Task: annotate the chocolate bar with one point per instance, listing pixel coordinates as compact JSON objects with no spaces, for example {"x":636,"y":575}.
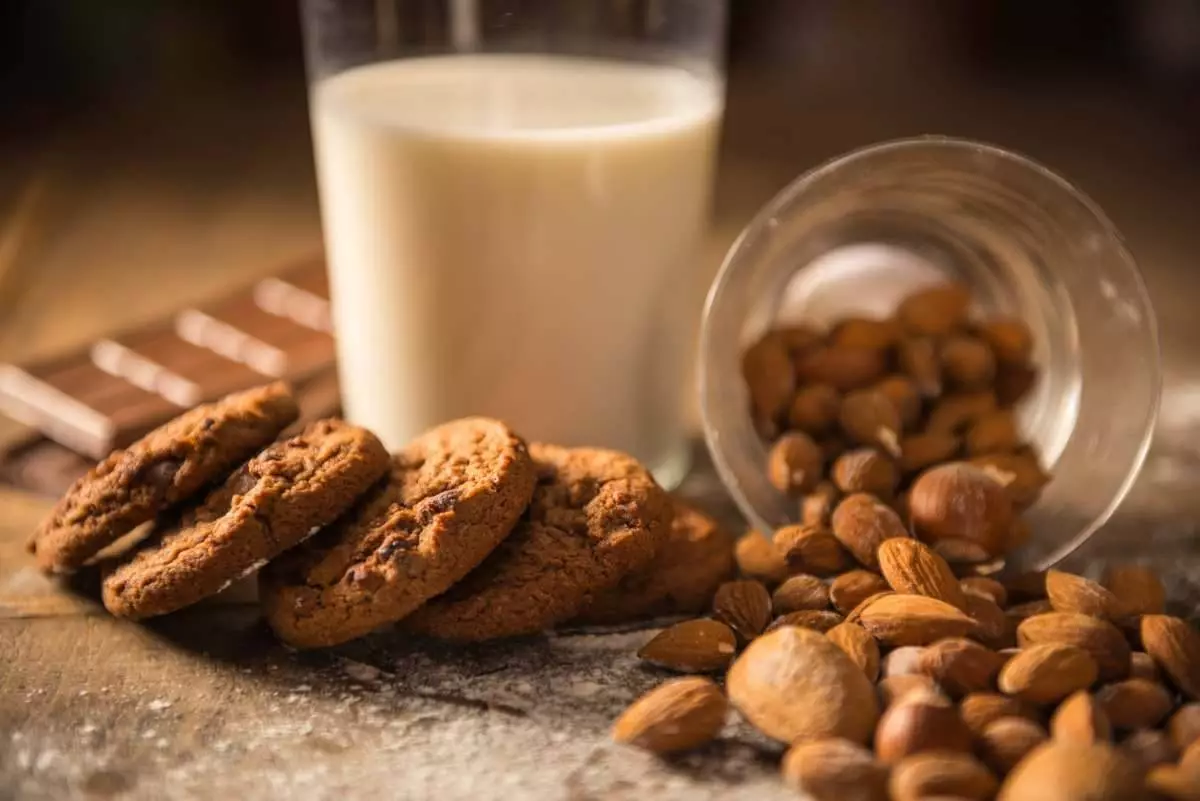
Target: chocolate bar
{"x":108,"y":394}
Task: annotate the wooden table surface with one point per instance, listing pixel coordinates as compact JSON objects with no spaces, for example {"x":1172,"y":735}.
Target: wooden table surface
{"x":96,"y":232}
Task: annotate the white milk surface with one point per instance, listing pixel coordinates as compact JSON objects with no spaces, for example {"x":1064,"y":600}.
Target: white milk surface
{"x":504,"y":235}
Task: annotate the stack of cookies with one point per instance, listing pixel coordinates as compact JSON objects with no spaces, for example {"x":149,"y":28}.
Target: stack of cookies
{"x":465,"y":534}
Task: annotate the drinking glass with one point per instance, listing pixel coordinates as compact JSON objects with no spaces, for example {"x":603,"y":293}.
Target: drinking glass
{"x":513,"y":195}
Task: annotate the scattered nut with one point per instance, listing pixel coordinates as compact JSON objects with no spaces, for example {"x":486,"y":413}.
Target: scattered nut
{"x":795,"y":463}
{"x":1005,"y":742}
{"x":967,"y":363}
{"x":835,"y":769}
{"x":861,"y":523}
{"x":853,"y":587}
{"x":678,"y":715}
{"x":744,"y":606}
{"x":936,"y":311}
{"x":960,"y":501}
{"x":905,"y":397}
{"x":1081,"y":720}
{"x":811,"y":549}
{"x":693,"y":646}
{"x":814,"y":409}
{"x":920,"y":721}
{"x":757,"y":558}
{"x":867,"y":417}
{"x":798,"y":592}
{"x":1009,"y":338}
{"x":865,"y":470}
{"x":816,"y":508}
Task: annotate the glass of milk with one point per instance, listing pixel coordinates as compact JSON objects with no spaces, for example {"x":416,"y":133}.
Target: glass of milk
{"x":513,"y":197}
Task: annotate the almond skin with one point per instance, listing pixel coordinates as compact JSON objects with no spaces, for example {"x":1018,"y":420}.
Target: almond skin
{"x":693,"y":646}
{"x":860,"y":646}
{"x":924,"y":450}
{"x":821,"y":620}
{"x":1143,"y":666}
{"x":912,"y":567}
{"x":993,"y":628}
{"x":1135,"y":703}
{"x":1048,"y":672}
{"x":758,"y":559}
{"x":1081,"y":720}
{"x":1059,"y":771}
{"x":961,"y":666}
{"x":1099,"y":638}
{"x":862,"y":523}
{"x":1174,"y":783}
{"x":1137,"y":588}
{"x":678,"y":715}
{"x":1070,"y":593}
{"x":920,"y":721}
{"x":958,"y":501}
{"x":893,"y":689}
{"x":980,"y":709}
{"x":794,"y":464}
{"x":744,"y":606}
{"x":1005,"y":742}
{"x":1175,"y":646}
{"x":835,"y":770}
{"x":937,"y":311}
{"x":986,"y":586}
{"x":938,"y":773}
{"x":1149,"y":748}
{"x":844,"y":368}
{"x":794,"y":684}
{"x":1184,"y":726}
{"x":799,"y":592}
{"x":853,"y":587}
{"x":767,"y":370}
{"x":811,"y":549}
{"x":814,"y":409}
{"x":912,"y":620}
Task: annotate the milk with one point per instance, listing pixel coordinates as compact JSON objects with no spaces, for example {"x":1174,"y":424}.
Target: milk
{"x":510,"y":236}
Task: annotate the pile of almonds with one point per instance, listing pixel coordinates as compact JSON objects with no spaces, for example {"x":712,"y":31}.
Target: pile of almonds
{"x":875,"y":638}
{"x":915,"y":411}
{"x":906,"y":682}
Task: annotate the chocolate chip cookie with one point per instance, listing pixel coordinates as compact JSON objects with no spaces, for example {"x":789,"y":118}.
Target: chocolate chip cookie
{"x":270,"y":504}
{"x":696,"y":557}
{"x":595,"y":516}
{"x":451,"y":497}
{"x":169,"y":465}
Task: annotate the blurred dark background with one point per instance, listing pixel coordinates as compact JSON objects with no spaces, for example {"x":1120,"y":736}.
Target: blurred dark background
{"x":153,"y":149}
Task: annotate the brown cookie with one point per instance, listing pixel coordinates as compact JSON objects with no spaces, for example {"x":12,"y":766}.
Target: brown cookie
{"x":270,"y":504}
{"x":452,"y":496}
{"x":169,"y":465}
{"x":595,"y":516}
{"x":695,"y":559}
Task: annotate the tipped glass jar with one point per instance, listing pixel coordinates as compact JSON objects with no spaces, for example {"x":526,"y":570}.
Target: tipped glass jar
{"x":858,"y":234}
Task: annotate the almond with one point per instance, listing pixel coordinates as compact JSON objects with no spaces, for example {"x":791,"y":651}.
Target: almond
{"x":853,"y":587}
{"x":1023,"y":587}
{"x":894,"y":689}
{"x":983,"y":585}
{"x":1174,"y":783}
{"x":920,"y":721}
{"x":1070,"y":593}
{"x":1099,"y":638}
{"x":903,"y":661}
{"x":693,"y":646}
{"x":952,"y":414}
{"x":993,"y":628}
{"x":917,"y":358}
{"x":1028,"y":609}
{"x":911,"y":567}
{"x":814,"y":409}
{"x":678,"y":715}
{"x":794,"y":684}
{"x":866,"y":332}
{"x":811,"y":549}
{"x":862,"y":523}
{"x":1175,"y":646}
{"x":1184,"y":726}
{"x":1149,"y":748}
{"x":745,"y":606}
{"x":865,"y":470}
{"x":835,"y":770}
{"x":860,"y":646}
{"x":994,"y":432}
{"x":903,"y":394}
{"x":799,"y":592}
{"x":926,"y":449}
{"x":844,"y":368}
{"x":1009,"y":338}
{"x":821,"y":620}
{"x":1020,"y":473}
{"x":1143,"y":666}
{"x":912,"y":620}
{"x":795,"y":463}
{"x":967,"y":363}
{"x":1135,"y":703}
{"x":958,"y":501}
{"x":816,"y":508}
{"x":1048,"y":672}
{"x":960,"y":666}
{"x":980,"y":709}
{"x":868,"y":418}
{"x":1062,"y":771}
{"x":936,"y":311}
{"x":1081,"y":720}
{"x":1191,"y":757}
{"x":1137,"y":588}
{"x":767,"y":370}
{"x":924,"y":776}
{"x":1007,"y":741}
{"x":758,"y":559}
